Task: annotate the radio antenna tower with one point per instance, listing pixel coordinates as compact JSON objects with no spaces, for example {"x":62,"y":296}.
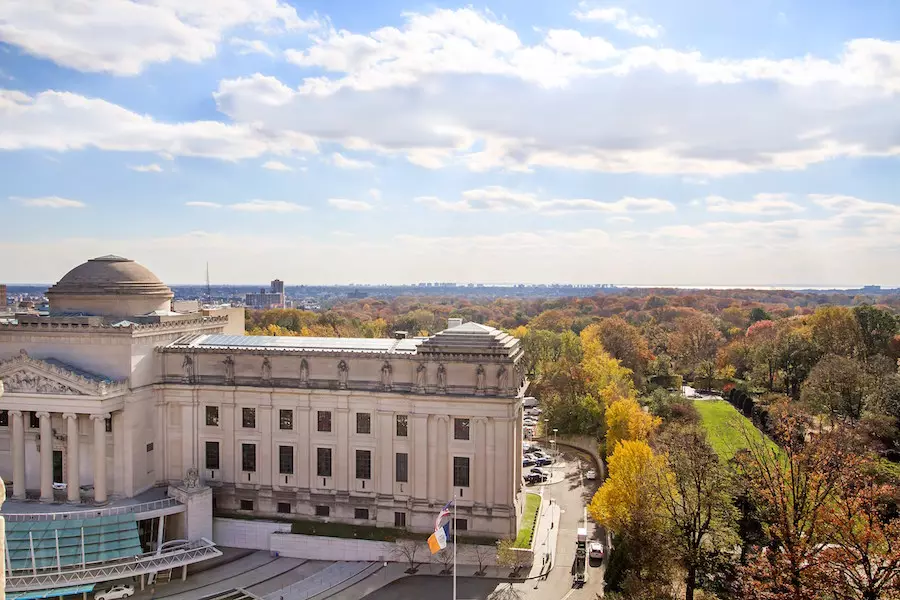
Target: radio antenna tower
{"x":208,"y":290}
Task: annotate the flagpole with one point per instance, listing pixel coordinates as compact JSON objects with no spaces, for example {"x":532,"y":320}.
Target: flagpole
{"x":454,"y":547}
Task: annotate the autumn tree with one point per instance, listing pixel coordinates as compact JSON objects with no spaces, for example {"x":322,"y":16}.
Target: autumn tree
{"x":625,"y":343}
{"x":877,"y":327}
{"x":837,"y":386}
{"x":605,"y":377}
{"x":694,"y":340}
{"x":761,"y":339}
{"x":835,"y":330}
{"x":693,"y":490}
{"x":796,"y":356}
{"x":626,"y":420}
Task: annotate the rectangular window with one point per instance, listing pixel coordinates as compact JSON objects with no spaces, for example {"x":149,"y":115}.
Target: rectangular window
{"x":212,"y":416}
{"x":364,"y":464}
{"x":364,"y":423}
{"x":4,"y":418}
{"x":462,"y":524}
{"x":248,"y":457}
{"x":212,"y":455}
{"x":361,"y":513}
{"x":402,"y":425}
{"x":285,"y":419}
{"x":322,"y":510}
{"x":248,"y":418}
{"x":402,"y":467}
{"x":323,"y":462}
{"x":246,"y":504}
{"x":108,"y":425}
{"x":323,"y":421}
{"x":34,"y":421}
{"x":460,"y":429}
{"x":284,"y":508}
{"x":400,"y":519}
{"x":460,"y":471}
{"x":150,"y":447}
{"x":286,"y":460}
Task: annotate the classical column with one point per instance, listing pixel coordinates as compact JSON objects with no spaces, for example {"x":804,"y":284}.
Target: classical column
{"x":418,"y":456}
{"x":18,"y":454}
{"x":46,"y":457}
{"x":385,"y":454}
{"x":432,"y":459}
{"x":445,"y":480}
{"x":99,"y":457}
{"x":490,"y":457}
{"x":73,"y":485}
{"x":480,"y":470}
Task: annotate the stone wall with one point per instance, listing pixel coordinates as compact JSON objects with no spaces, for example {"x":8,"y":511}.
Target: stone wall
{"x":236,"y":533}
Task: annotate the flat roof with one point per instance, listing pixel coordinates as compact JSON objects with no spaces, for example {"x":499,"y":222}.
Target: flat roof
{"x":302,"y":344}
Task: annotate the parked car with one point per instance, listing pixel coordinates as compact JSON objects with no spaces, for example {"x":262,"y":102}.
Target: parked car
{"x":542,"y":460}
{"x":591,"y":475}
{"x":533,"y":478}
{"x":545,"y":475}
{"x":596,"y":550}
{"x":530,"y":449}
{"x":529,"y":422}
{"x":117,"y":592}
{"x":528,"y":462}
{"x":59,"y":486}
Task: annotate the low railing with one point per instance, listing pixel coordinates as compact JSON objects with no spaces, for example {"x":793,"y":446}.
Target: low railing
{"x":93,"y":513}
{"x":151,"y":562}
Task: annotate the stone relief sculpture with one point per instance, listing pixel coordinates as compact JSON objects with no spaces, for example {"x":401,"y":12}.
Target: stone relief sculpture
{"x":187,"y":365}
{"x":192,"y":478}
{"x":343,"y":374}
{"x":304,"y":373}
{"x":479,"y":379}
{"x":266,"y":370}
{"x":387,"y":375}
{"x":502,"y":379}
{"x":31,"y":383}
{"x":229,"y":370}
{"x":421,"y":372}
{"x":442,"y":378}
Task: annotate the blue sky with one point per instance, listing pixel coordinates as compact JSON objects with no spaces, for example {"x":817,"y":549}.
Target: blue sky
{"x":642,"y":142}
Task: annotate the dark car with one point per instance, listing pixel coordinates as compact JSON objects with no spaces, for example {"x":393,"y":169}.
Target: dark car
{"x":533,"y":478}
{"x":542,"y":460}
{"x":528,"y":462}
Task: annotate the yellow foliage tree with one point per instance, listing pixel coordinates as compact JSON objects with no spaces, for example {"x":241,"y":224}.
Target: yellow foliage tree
{"x":272,"y":330}
{"x":605,"y":377}
{"x":627,"y":421}
{"x":628,"y":497}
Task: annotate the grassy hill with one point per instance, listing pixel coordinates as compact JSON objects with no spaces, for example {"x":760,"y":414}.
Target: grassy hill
{"x":725,"y":427}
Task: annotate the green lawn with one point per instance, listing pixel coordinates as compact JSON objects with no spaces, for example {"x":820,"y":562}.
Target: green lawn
{"x":724,"y":425}
{"x":526,"y":531}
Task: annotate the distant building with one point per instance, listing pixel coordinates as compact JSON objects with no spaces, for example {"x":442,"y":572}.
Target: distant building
{"x":3,"y":299}
{"x":273,"y":298}
{"x":277,"y":286}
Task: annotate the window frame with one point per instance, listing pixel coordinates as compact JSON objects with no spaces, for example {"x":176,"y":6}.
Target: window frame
{"x":245,"y":456}
{"x":245,"y":412}
{"x":289,"y":421}
{"x":457,"y":471}
{"x":252,"y":505}
{"x":285,"y":452}
{"x":399,"y":519}
{"x":404,"y":419}
{"x":397,"y":469}
{"x":366,"y":463}
{"x":322,"y":510}
{"x":208,"y":415}
{"x":320,"y":454}
{"x":361,"y":511}
{"x":212,"y":444}
{"x":281,"y":505}
{"x":364,"y":419}
{"x":460,"y":425}
{"x":324,"y":415}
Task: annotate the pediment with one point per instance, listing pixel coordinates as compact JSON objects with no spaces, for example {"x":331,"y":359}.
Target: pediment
{"x":25,"y":375}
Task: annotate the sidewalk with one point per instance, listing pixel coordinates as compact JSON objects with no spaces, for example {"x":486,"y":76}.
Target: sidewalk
{"x":545,"y":535}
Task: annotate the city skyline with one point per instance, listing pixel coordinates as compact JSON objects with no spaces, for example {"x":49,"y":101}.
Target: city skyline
{"x":637,"y":142}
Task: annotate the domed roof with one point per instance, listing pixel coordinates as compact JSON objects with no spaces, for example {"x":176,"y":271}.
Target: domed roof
{"x":108,"y":275}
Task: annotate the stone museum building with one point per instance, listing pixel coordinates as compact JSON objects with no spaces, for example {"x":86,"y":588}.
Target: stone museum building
{"x":113,"y":394}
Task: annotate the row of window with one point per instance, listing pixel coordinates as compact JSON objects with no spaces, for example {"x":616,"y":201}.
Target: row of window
{"x":323,"y":422}
{"x":323,"y":510}
{"x":324,"y":463}
{"x":34,"y":422}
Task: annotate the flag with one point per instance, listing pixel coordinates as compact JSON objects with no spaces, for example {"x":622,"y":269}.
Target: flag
{"x":445,"y":512}
{"x":437,"y":541}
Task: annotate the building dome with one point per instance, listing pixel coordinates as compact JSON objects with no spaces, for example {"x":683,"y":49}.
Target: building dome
{"x":109,"y":286}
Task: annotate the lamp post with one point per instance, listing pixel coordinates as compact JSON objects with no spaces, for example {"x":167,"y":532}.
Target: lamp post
{"x":553,"y":442}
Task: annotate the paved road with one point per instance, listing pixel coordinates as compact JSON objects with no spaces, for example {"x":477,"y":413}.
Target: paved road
{"x":573,"y":495}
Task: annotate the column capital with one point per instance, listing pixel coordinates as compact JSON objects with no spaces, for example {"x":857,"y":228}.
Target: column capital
{"x":72,"y":416}
{"x":103,"y":416}
{"x":43,"y":415}
{"x":15,"y":412}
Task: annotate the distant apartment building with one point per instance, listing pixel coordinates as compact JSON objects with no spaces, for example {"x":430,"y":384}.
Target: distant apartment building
{"x":3,"y":299}
{"x":271,"y":298}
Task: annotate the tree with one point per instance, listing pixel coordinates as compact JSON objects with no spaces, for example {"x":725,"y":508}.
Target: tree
{"x":837,"y":386}
{"x":626,"y":420}
{"x":796,"y":356}
{"x":834,"y":330}
{"x":695,"y":339}
{"x":759,"y":314}
{"x":406,"y":550}
{"x":863,"y":559}
{"x":509,"y":556}
{"x":445,"y":557}
{"x":696,"y":501}
{"x":507,"y":591}
{"x":791,"y":486}
{"x":575,"y":414}
{"x":761,"y":338}
{"x":707,"y":370}
{"x":877,"y":327}
{"x":625,"y":343}
{"x":482,"y":553}
{"x":605,"y":377}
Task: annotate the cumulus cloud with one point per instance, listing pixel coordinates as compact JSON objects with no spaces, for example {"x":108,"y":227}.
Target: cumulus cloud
{"x":250,"y":46}
{"x":621,"y":19}
{"x":277,"y":206}
{"x":761,"y":204}
{"x":274,"y":165}
{"x":343,"y":162}
{"x":202,"y":204}
{"x":497,"y":198}
{"x":123,"y":37}
{"x":153,"y":168}
{"x":48,"y":202}
{"x":351,"y":205}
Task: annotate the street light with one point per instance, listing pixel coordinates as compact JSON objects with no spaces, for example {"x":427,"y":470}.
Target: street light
{"x":553,"y":442}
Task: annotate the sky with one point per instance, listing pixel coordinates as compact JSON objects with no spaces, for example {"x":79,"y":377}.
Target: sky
{"x":642,"y":142}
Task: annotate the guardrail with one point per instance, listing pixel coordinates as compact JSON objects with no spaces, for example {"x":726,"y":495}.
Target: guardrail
{"x":93,"y":513}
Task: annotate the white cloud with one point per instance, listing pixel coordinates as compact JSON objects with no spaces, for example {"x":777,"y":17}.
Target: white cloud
{"x":201,"y":204}
{"x":762,"y":204}
{"x":250,"y":46}
{"x":498,"y":199}
{"x":342,"y":162}
{"x":278,"y":206}
{"x":123,"y":37}
{"x":620,"y":18}
{"x":850,"y":205}
{"x":48,"y":202}
{"x":153,"y":168}
{"x":375,"y":194}
{"x":274,"y":165}
{"x":64,"y":121}
{"x":352,"y":205}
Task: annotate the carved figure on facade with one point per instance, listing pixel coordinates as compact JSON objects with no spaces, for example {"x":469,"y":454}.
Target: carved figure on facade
{"x":304,"y":373}
{"x":442,"y":378}
{"x":502,"y":380}
{"x":187,"y":366}
{"x":387,"y":375}
{"x":343,"y":374}
{"x":479,"y":379}
{"x":229,"y":370}
{"x":266,"y":370}
{"x":31,"y":383}
{"x":421,"y":376}
{"x":192,"y":478}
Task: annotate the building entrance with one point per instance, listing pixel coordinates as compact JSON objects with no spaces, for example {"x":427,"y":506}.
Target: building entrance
{"x":58,"y":466}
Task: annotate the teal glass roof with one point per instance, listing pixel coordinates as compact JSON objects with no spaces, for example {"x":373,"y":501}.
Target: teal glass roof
{"x":54,"y":593}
